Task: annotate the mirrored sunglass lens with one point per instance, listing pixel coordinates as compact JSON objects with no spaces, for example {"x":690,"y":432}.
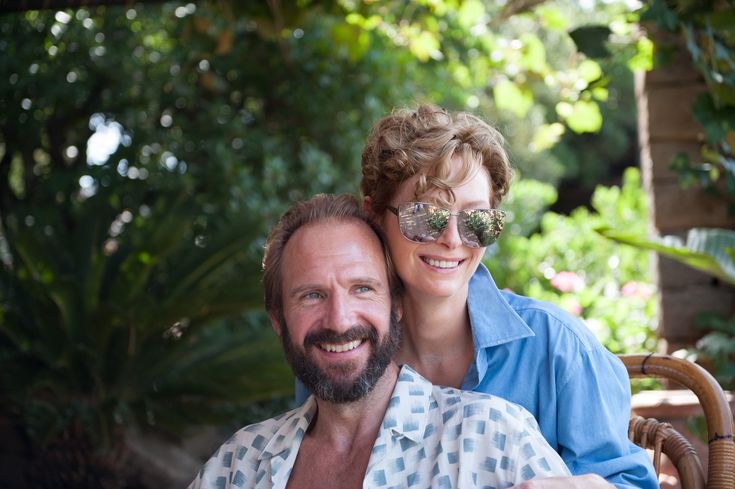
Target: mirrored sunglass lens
{"x":421,"y":222}
{"x":480,"y":227}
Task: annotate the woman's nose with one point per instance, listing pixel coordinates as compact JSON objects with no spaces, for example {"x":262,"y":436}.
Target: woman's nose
{"x":450,"y":236}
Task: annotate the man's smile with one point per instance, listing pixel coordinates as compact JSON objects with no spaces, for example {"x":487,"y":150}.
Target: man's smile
{"x":341,"y":347}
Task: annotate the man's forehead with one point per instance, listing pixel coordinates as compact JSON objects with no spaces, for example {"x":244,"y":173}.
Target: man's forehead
{"x":349,"y":248}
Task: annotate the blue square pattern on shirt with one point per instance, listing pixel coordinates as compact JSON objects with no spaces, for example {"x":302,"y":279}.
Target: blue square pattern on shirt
{"x":444,"y":438}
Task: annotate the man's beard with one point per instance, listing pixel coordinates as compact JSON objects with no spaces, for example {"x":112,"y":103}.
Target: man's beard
{"x":337,"y":385}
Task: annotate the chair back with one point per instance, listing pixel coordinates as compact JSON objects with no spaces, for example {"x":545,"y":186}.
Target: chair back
{"x":717,"y":413}
{"x":661,"y":437}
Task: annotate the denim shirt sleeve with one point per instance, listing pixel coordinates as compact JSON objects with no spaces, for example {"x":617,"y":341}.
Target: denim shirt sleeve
{"x":594,"y":409}
{"x":578,"y":391}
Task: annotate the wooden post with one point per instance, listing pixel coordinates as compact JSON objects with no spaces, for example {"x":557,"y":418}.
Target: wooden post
{"x":667,"y":126}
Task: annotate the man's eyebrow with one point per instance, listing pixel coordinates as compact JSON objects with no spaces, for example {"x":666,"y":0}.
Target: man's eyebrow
{"x":375,"y":282}
{"x":303,"y":288}
{"x":362,"y":280}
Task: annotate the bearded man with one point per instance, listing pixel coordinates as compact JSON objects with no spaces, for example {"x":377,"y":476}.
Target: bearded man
{"x":335,"y":303}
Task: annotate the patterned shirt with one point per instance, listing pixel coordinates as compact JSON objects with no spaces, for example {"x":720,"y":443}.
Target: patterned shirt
{"x":539,"y":356}
{"x":431,"y":436}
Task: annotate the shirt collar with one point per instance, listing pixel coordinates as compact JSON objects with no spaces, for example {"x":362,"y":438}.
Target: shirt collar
{"x":493,"y":319}
{"x":291,"y":431}
{"x":408,"y":409}
{"x":407,"y":415}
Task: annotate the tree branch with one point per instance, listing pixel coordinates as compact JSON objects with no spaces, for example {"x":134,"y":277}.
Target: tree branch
{"x":23,"y":5}
{"x":515,"y":7}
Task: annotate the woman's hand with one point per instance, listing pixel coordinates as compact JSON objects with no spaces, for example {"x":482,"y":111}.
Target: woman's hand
{"x":586,"y":481}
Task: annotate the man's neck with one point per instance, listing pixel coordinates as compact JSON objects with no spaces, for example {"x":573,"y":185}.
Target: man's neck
{"x":341,"y":424}
{"x":336,"y":450}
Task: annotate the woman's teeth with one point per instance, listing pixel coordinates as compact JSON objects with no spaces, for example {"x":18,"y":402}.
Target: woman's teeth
{"x":442,"y":263}
{"x":339,"y":348}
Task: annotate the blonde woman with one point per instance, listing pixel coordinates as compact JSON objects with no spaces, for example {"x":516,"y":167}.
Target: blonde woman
{"x":434,"y":182}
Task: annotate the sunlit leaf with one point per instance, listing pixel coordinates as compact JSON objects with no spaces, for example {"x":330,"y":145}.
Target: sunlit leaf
{"x":509,"y":96}
{"x":600,"y":93}
{"x":589,"y":70}
{"x":584,"y":116}
{"x":462,"y":75}
{"x":552,"y":16}
{"x":706,"y":249}
{"x":470,"y":13}
{"x":546,"y":136}
{"x":533,"y":53}
{"x":643,"y":59}
{"x":356,"y":40}
{"x":564,"y":109}
{"x":425,"y":45}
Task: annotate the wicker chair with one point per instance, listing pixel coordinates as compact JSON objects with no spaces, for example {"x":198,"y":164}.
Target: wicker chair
{"x":662,"y":438}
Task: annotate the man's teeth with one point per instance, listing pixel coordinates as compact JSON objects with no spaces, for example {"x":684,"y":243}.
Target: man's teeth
{"x":442,"y":263}
{"x":339,"y":348}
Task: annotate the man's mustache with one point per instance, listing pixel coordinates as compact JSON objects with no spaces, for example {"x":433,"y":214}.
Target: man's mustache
{"x":330,"y":336}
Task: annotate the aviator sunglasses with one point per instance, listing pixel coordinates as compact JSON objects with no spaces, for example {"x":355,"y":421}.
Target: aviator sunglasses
{"x":423,"y":223}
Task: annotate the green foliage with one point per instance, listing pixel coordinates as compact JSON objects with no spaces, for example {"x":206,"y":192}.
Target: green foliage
{"x":718,"y":346}
{"x":591,"y":40}
{"x":707,"y":29}
{"x":130,"y":276}
{"x":709,"y":250}
{"x":566,"y":262}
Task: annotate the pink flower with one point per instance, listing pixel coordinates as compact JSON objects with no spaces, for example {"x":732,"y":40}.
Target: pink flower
{"x":567,"y":281}
{"x":574,"y":307}
{"x":636,"y":289}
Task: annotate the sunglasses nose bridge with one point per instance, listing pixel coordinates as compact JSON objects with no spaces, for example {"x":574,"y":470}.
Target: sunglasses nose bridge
{"x":450,"y":235}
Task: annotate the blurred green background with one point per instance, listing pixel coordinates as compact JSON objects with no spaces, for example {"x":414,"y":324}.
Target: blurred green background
{"x":147,"y":148}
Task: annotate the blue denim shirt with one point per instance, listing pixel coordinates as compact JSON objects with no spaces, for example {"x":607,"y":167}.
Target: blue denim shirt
{"x":539,"y":356}
{"x":543,"y":358}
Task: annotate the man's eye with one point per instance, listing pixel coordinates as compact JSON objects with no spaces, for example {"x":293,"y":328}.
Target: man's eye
{"x":363,"y":288}
{"x":312,"y":295}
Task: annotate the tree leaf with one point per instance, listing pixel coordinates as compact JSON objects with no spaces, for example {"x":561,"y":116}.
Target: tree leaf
{"x":708,"y":250}
{"x":585,"y":116}
{"x":512,"y":97}
{"x":591,"y":40}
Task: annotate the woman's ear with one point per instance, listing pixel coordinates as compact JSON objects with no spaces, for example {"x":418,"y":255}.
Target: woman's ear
{"x":367,"y":205}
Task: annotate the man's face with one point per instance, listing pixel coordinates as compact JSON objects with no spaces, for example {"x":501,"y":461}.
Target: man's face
{"x":337,"y":328}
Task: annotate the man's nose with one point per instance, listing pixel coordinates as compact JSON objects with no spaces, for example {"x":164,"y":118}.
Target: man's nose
{"x":340,"y":316}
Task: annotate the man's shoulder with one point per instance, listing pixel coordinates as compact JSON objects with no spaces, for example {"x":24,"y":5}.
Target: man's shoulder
{"x":242,"y":452}
{"x":468,"y":404}
{"x":252,"y":434}
{"x":251,"y":440}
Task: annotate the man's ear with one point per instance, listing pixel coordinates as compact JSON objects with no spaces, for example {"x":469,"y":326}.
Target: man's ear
{"x":275,"y":324}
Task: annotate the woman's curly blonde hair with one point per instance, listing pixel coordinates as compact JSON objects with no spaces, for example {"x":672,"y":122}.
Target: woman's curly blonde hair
{"x":424,"y":142}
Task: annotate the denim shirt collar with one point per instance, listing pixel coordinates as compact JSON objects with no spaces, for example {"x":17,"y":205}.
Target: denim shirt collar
{"x":493,"y":321}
